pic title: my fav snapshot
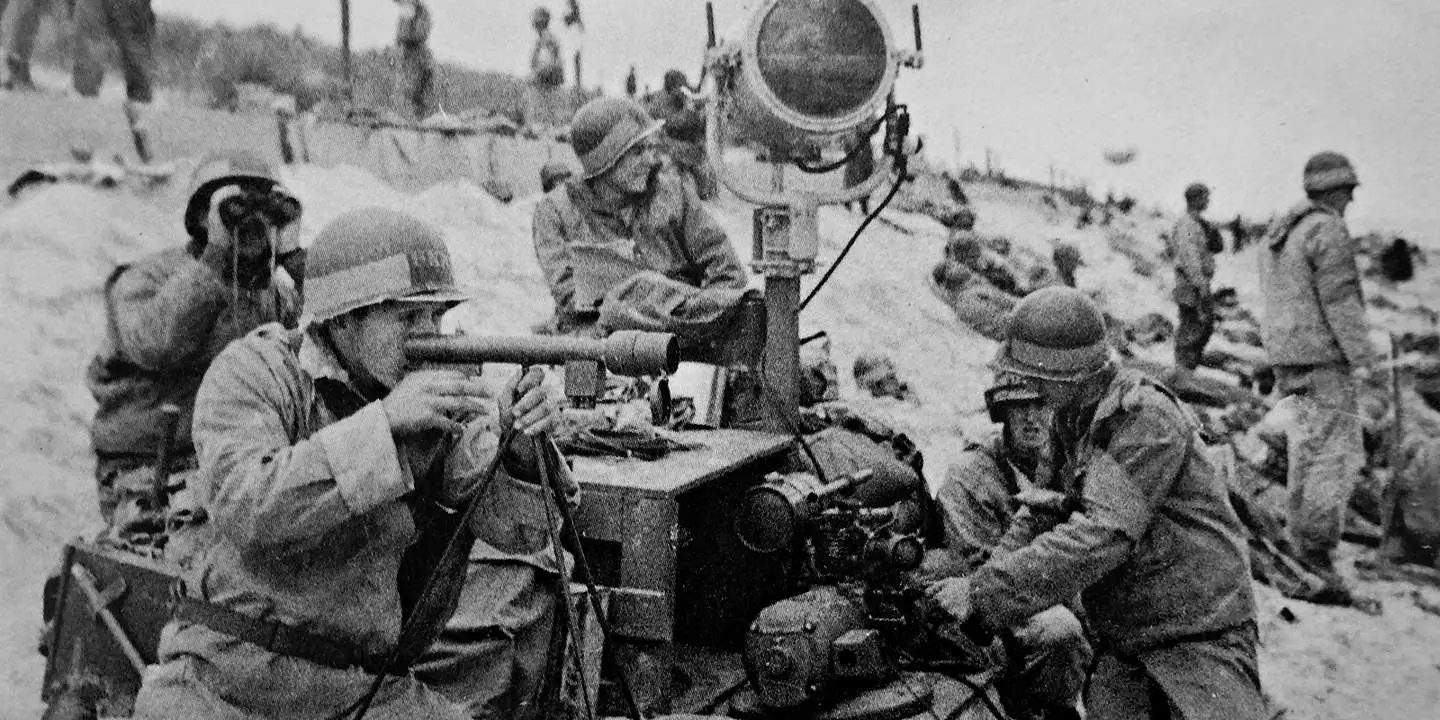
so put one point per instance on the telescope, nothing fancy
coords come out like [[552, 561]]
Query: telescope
[[806, 76], [586, 360]]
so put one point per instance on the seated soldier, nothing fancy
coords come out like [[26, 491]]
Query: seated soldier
[[324, 462], [167, 317], [628, 245], [978, 501]]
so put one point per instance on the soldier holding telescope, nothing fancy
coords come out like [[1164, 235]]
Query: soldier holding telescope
[[322, 459]]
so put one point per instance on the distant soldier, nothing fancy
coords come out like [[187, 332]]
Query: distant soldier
[[547, 75], [130, 24], [1193, 244], [978, 500], [19, 22], [417, 65], [683, 137], [1314, 329]]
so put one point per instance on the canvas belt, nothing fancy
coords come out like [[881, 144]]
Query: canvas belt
[[277, 637]]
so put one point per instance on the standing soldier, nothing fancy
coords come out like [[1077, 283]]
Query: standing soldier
[[170, 314], [323, 459], [1147, 538], [1194, 269], [1313, 326], [19, 22], [547, 75], [131, 25], [417, 65], [978, 500]]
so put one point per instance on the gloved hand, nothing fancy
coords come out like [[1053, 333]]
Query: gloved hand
[[1049, 627], [439, 399], [530, 407], [952, 594], [243, 254]]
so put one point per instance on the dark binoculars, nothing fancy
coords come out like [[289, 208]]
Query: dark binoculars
[[276, 207]]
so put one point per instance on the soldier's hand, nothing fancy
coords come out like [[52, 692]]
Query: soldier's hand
[[1049, 627], [528, 405], [434, 400], [953, 594]]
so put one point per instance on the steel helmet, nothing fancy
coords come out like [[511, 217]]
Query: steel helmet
[[1328, 171], [368, 256], [604, 128], [219, 170], [1008, 388], [1054, 333]]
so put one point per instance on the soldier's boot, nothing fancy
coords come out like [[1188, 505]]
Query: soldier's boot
[[17, 75]]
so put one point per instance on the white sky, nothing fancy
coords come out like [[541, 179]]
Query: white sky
[[1236, 93]]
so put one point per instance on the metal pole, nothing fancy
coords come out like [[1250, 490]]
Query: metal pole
[[345, 53]]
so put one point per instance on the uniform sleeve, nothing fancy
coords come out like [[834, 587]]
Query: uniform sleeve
[[974, 506], [162, 319], [1190, 253], [264, 489], [710, 247], [553, 252], [1337, 286], [1124, 486]]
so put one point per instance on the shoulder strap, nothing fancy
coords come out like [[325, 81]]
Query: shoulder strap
[[112, 324]]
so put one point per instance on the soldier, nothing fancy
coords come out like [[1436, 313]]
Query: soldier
[[19, 22], [978, 501], [1194, 269], [170, 314], [1150, 542], [683, 136], [628, 245], [131, 25], [417, 65], [1313, 327], [322, 460], [544, 97]]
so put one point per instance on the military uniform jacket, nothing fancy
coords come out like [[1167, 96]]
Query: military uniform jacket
[[585, 249], [1154, 550], [977, 500], [1194, 264], [167, 317], [312, 514], [1314, 307]]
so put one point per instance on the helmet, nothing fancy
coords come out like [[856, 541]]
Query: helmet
[[540, 17], [675, 79], [217, 171], [368, 256], [1196, 191], [1328, 171], [1008, 388], [1055, 333], [604, 129]]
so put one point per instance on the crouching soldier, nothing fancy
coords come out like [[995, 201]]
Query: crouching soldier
[[167, 317], [322, 461], [979, 500], [1152, 545]]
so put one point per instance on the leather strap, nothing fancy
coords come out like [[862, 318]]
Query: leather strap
[[275, 636]]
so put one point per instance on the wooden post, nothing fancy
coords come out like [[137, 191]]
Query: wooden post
[[345, 54]]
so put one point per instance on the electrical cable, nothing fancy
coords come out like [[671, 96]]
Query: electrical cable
[[849, 154], [894, 190], [767, 392]]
